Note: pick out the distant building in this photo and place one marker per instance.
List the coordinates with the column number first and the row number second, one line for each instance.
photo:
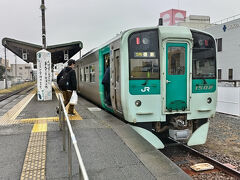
column 196, row 22
column 227, row 35
column 2, row 63
column 173, row 16
column 57, row 69
column 22, row 71
column 178, row 18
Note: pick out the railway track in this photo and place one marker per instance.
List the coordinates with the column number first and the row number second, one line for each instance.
column 5, row 96
column 185, row 157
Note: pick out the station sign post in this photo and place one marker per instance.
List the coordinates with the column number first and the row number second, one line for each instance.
column 44, row 76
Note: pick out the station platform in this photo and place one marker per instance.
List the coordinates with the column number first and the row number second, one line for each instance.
column 32, row 146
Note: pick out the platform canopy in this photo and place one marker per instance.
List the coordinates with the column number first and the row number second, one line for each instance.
column 27, row 51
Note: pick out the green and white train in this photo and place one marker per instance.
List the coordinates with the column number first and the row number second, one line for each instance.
column 163, row 81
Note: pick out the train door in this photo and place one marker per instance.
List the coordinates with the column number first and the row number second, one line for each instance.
column 176, row 76
column 107, row 97
column 115, row 80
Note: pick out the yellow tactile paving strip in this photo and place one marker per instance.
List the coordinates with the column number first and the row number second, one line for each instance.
column 9, row 117
column 35, row 159
column 76, row 116
column 39, row 120
column 39, row 127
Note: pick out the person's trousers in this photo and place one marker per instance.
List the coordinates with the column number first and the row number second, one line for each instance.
column 67, row 96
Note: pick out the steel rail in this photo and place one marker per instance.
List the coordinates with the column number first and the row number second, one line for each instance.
column 71, row 137
column 13, row 93
column 216, row 163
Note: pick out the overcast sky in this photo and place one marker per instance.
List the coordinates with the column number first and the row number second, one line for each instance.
column 95, row 21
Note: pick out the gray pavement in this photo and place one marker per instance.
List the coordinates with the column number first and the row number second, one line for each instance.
column 13, row 143
column 110, row 148
column 110, row 140
column 39, row 109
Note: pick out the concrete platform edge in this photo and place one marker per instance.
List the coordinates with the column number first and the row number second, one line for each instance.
column 145, row 152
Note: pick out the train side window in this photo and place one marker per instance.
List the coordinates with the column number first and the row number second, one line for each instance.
column 92, row 73
column 86, row 74
column 117, row 66
column 230, row 74
column 82, row 74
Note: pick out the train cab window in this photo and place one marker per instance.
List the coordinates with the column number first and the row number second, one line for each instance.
column 144, row 55
column 176, row 60
column 204, row 56
column 92, row 73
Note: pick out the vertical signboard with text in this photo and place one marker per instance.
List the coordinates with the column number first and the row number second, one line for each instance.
column 44, row 76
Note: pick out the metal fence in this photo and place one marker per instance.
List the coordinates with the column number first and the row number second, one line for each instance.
column 65, row 125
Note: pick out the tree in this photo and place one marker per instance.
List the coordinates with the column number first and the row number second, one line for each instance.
column 2, row 71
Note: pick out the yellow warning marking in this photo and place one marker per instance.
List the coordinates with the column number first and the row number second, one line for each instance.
column 39, row 127
column 10, row 116
column 49, row 119
column 76, row 116
column 35, row 159
column 57, row 91
column 39, row 120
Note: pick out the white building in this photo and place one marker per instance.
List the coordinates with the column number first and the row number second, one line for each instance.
column 227, row 37
column 57, row 69
column 196, row 22
column 178, row 17
column 21, row 72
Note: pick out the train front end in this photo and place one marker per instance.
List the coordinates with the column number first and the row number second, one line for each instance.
column 168, row 83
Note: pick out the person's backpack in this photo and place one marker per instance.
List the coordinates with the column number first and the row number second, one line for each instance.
column 63, row 82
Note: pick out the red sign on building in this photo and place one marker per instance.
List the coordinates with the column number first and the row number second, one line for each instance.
column 173, row 16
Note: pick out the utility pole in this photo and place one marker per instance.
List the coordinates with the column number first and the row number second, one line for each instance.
column 6, row 85
column 44, row 61
column 16, row 67
column 43, row 25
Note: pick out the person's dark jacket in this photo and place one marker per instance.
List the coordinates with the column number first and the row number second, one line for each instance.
column 71, row 76
column 106, row 77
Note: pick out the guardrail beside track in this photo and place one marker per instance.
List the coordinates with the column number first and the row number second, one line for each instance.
column 63, row 123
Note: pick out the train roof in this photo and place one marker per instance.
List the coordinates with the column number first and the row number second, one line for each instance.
column 164, row 29
column 118, row 36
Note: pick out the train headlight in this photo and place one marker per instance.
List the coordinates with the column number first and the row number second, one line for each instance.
column 138, row 103
column 209, row 100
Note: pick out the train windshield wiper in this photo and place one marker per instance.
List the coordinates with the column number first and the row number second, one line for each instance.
column 145, row 83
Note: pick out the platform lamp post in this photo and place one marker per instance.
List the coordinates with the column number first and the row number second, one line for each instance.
column 44, row 61
column 42, row 7
column 5, row 50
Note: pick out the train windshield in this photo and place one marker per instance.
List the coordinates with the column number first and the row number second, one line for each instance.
column 204, row 56
column 144, row 55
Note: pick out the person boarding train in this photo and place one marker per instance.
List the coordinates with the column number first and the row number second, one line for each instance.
column 67, row 82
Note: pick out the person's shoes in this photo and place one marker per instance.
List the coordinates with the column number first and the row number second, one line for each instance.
column 57, row 110
column 72, row 114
